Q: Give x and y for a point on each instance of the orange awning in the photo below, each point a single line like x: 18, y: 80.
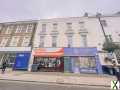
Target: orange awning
x: 49, y: 52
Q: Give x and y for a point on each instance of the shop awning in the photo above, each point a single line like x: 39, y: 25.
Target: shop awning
x: 49, y: 52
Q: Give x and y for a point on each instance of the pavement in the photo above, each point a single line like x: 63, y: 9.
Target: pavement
x: 58, y: 78
x: 16, y: 85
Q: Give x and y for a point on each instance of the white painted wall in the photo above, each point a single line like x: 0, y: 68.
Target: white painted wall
x: 95, y: 35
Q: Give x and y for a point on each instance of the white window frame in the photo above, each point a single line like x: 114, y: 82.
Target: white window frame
x: 55, y: 26
x: 9, y: 29
x: 83, y: 38
x: 4, y: 41
x: 44, y: 26
x: 81, y: 24
x: 70, y: 41
x: 54, y: 41
x: 69, y: 25
x: 42, y: 38
x: 20, y: 28
x: 26, y: 41
x: 14, y: 41
x: 29, y: 28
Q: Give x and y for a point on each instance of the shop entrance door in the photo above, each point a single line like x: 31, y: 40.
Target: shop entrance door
x: 49, y: 64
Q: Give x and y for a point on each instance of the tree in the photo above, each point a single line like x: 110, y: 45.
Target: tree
x: 110, y: 46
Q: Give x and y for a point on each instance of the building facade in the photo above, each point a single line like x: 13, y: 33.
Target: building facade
x: 16, y: 43
x: 56, y: 38
x: 59, y: 44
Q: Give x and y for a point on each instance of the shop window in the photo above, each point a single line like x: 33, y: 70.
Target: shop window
x: 11, y: 59
x: 85, y: 62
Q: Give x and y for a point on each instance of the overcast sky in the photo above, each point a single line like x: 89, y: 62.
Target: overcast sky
x: 11, y: 10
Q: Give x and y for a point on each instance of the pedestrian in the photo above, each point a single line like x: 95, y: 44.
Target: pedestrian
x: 4, y: 65
x: 117, y: 72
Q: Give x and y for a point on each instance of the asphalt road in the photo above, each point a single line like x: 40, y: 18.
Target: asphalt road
x: 15, y: 85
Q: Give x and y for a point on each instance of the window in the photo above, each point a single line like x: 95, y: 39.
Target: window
x: 0, y: 27
x: 11, y: 59
x: 55, y: 26
x: 69, y: 25
x: 84, y: 40
x: 85, y: 62
x: 9, y: 29
x: 41, y: 41
x: 20, y: 28
x: 69, y: 41
x: 43, y: 27
x: 29, y: 28
x: 54, y: 41
x: 81, y: 24
x: 14, y: 41
x: 3, y: 42
x: 104, y: 23
x: 26, y: 41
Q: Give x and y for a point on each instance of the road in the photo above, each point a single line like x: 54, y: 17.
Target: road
x: 16, y: 85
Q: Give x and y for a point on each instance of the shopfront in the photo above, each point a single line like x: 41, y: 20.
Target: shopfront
x: 8, y: 57
x: 82, y: 60
x: 15, y: 57
x: 49, y: 59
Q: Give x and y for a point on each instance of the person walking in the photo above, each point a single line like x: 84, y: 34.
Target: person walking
x: 4, y: 65
x: 117, y: 72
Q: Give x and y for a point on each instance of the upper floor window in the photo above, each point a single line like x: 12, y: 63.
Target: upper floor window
x: 69, y: 41
x: 55, y: 26
x: 20, y: 28
x: 26, y: 41
x: 3, y: 42
x: 104, y: 23
x: 0, y: 27
x: 9, y: 29
x: 43, y: 27
x: 29, y: 28
x: 14, y: 41
x: 69, y: 25
x: 54, y: 41
x: 81, y: 24
x: 84, y: 40
x: 41, y: 41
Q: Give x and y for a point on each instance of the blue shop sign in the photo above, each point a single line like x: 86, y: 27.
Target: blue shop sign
x: 80, y: 51
x: 22, y: 61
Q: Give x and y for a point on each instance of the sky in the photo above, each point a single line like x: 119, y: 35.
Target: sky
x: 13, y: 10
